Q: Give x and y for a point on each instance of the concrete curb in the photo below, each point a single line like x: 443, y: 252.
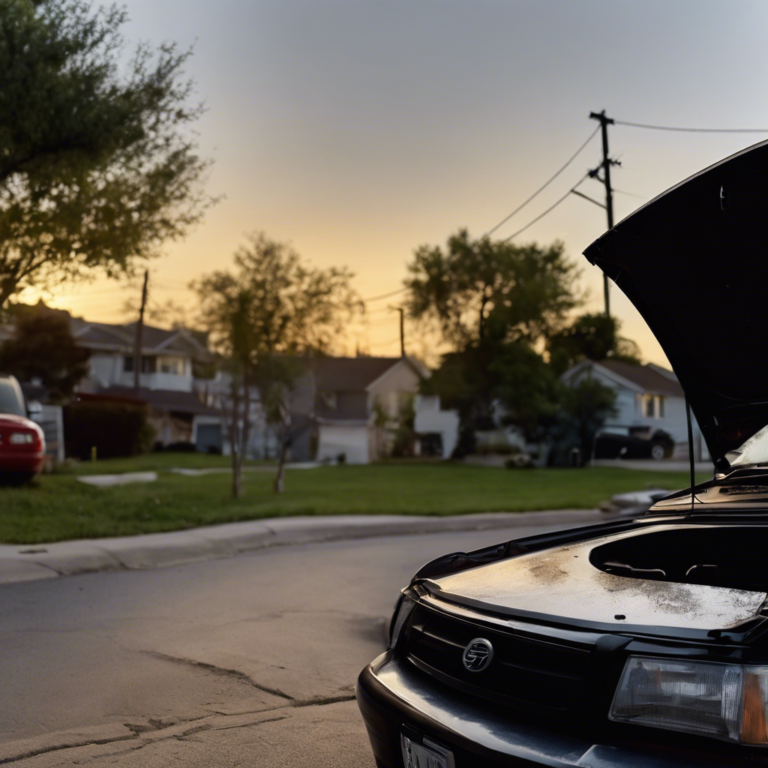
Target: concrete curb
x: 160, y: 550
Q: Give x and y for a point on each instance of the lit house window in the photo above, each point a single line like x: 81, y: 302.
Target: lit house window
x: 173, y: 365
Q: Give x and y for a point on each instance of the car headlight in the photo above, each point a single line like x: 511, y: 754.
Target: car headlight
x: 402, y: 611
x: 726, y: 701
x: 22, y: 438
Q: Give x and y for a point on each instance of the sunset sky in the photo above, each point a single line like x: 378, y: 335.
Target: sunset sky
x: 359, y: 129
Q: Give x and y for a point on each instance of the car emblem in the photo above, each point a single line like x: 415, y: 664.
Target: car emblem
x: 477, y: 655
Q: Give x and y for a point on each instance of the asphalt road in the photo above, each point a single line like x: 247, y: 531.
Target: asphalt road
x: 247, y: 661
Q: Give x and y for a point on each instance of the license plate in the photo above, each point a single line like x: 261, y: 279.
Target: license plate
x: 425, y: 755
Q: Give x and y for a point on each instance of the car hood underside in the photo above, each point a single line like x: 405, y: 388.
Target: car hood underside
x: 569, y: 583
x: 692, y: 262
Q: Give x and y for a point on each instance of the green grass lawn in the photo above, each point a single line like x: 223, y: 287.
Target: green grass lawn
x: 60, y: 507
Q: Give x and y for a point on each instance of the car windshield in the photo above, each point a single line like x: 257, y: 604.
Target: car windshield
x: 751, y: 453
x: 10, y: 400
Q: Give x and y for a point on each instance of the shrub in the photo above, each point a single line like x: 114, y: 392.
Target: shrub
x: 114, y: 428
x: 519, y: 461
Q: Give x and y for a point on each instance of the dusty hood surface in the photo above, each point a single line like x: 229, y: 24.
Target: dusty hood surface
x: 562, y: 582
x: 693, y: 262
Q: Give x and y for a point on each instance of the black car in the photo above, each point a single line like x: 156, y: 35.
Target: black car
x: 634, y: 444
x: 641, y: 642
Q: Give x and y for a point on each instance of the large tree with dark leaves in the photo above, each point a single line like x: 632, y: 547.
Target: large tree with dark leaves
x: 590, y: 337
x: 43, y: 348
x: 98, y: 166
x: 495, y: 304
x: 476, y: 291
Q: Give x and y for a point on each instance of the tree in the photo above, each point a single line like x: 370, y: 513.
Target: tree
x: 483, y: 290
x: 591, y: 337
x: 512, y: 374
x: 495, y: 304
x: 263, y: 316
x: 586, y: 405
x: 42, y: 347
x: 97, y: 164
x: 528, y: 389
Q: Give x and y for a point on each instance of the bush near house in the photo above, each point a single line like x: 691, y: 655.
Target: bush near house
x: 114, y: 428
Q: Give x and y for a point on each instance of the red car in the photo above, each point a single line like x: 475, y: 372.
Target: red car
x: 22, y: 443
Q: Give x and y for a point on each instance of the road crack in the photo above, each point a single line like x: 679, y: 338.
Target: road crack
x: 71, y: 745
x: 153, y: 731
x: 250, y: 725
x: 232, y: 674
x: 324, y: 701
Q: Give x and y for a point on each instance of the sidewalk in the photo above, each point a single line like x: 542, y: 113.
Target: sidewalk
x: 667, y: 465
x: 159, y: 550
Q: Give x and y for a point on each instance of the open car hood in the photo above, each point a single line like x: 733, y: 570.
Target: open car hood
x: 563, y: 582
x: 694, y: 261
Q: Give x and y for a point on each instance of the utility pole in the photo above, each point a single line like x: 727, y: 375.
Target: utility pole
x: 402, y: 328
x: 137, y: 342
x: 606, y: 166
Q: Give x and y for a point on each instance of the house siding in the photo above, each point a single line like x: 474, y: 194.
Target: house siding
x: 399, y: 380
x: 351, y: 441
x: 629, y: 410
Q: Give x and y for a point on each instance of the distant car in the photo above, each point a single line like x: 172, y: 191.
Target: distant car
x: 22, y: 443
x: 610, y: 445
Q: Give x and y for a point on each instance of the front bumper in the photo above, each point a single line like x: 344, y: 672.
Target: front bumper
x: 393, y: 697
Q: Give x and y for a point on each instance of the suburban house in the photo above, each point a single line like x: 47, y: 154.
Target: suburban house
x: 169, y: 361
x: 647, y: 396
x: 357, y: 403
x: 438, y: 429
x: 341, y: 408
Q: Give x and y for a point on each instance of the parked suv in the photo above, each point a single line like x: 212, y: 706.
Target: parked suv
x: 634, y: 444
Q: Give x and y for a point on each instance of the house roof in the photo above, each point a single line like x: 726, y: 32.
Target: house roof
x: 350, y: 374
x: 165, y: 400
x: 646, y: 377
x: 153, y: 340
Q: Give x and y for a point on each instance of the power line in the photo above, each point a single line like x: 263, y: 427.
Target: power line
x: 377, y: 310
x: 690, y: 130
x: 545, y: 185
x: 542, y: 215
x: 385, y: 295
x: 385, y: 343
x: 165, y: 287
x: 379, y: 322
x: 631, y: 194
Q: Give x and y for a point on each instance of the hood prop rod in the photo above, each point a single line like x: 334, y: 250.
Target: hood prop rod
x: 690, y: 449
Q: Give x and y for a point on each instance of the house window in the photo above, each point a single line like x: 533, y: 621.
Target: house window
x: 653, y: 406
x: 174, y: 365
x: 148, y: 364
x: 329, y: 400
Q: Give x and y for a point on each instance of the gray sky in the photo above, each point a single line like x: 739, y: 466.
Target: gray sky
x: 359, y: 129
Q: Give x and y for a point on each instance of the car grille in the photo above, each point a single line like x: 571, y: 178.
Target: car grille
x: 527, y: 670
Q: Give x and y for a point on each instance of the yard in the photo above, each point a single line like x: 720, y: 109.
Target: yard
x: 60, y: 507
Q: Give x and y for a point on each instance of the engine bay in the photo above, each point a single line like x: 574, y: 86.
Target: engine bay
x: 735, y: 557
